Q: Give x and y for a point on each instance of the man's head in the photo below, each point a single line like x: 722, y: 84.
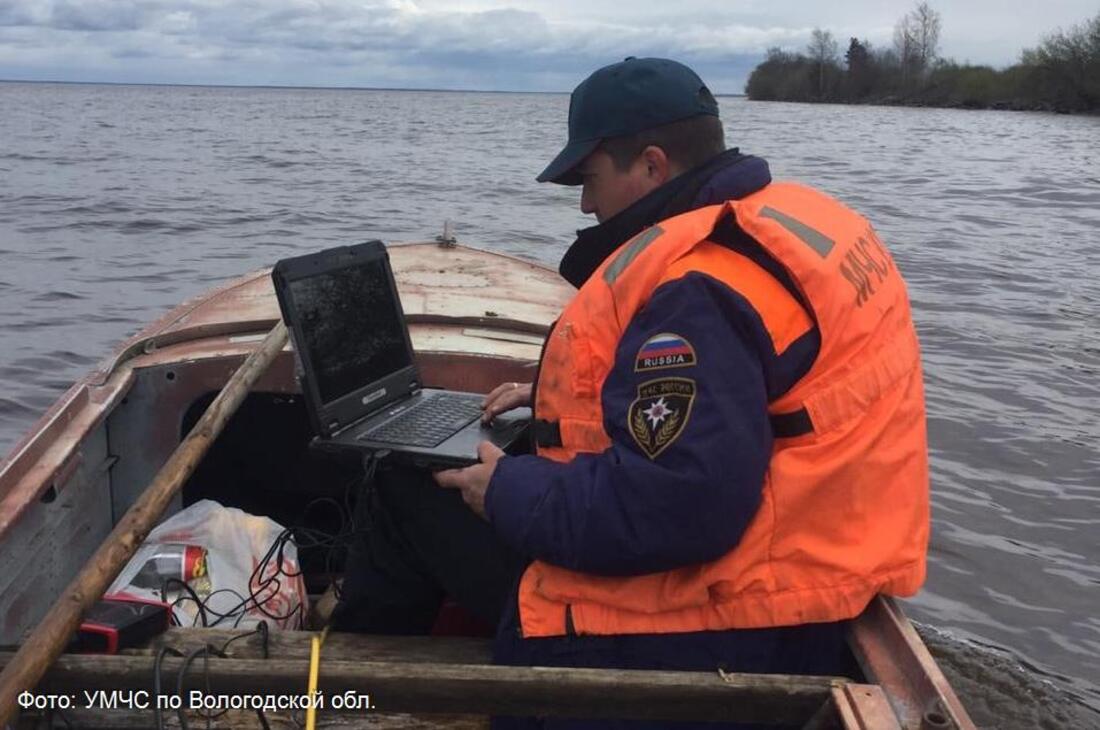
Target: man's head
x: 632, y: 127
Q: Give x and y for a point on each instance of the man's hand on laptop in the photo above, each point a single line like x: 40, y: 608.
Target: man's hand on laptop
x: 473, y: 481
x: 505, y: 397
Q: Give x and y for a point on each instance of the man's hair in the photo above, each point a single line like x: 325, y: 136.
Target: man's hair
x: 687, y: 143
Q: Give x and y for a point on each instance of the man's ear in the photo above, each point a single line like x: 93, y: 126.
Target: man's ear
x: 657, y: 165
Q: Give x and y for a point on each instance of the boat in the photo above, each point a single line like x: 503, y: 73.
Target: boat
x: 476, y: 319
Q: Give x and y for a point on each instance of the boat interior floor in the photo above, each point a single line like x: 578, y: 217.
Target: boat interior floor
x: 263, y: 464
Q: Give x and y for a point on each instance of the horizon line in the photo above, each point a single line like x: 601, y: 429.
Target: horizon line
x: 292, y: 87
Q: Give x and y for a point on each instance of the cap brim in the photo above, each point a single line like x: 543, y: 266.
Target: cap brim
x: 561, y: 169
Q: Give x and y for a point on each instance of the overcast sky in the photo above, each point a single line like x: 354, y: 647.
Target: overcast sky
x: 542, y: 45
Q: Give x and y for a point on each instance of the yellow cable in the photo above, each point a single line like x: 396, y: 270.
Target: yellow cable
x: 314, y: 670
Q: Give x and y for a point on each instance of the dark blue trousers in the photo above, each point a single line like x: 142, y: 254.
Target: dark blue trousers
x: 423, y: 544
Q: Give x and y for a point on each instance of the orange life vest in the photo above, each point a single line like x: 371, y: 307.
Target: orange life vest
x: 844, y: 510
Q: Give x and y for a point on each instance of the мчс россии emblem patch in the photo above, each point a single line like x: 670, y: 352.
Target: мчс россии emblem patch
x: 658, y: 415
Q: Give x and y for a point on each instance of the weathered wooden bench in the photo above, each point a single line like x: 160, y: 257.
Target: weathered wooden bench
x: 443, y: 682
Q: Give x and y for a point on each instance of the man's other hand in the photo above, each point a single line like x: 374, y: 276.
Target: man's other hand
x: 473, y: 481
x: 505, y: 397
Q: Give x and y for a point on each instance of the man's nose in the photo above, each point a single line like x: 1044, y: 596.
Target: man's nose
x: 587, y: 206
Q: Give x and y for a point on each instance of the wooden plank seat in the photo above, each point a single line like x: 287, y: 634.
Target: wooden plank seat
x: 444, y: 682
x: 338, y: 647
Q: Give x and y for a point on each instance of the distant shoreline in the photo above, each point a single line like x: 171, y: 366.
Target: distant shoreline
x: 1061, y: 75
x: 292, y: 87
x: 287, y: 87
x: 1002, y: 106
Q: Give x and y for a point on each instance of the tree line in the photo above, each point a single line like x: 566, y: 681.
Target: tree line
x: 1061, y: 74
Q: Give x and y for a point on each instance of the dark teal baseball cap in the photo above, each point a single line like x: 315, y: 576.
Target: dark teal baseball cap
x: 627, y: 98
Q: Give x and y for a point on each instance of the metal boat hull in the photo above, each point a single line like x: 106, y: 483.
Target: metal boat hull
x: 477, y: 319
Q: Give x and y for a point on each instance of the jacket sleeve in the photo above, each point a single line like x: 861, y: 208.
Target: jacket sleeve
x: 691, y: 445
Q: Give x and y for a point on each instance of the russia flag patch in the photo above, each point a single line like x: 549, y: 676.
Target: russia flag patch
x: 665, y: 350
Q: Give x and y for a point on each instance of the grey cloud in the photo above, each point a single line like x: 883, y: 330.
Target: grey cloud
x: 15, y: 13
x: 96, y: 16
x: 131, y: 52
x: 80, y: 15
x: 357, y: 26
x: 350, y: 42
x: 380, y: 27
x: 421, y: 42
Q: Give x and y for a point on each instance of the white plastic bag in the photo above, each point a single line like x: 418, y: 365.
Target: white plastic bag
x: 250, y: 574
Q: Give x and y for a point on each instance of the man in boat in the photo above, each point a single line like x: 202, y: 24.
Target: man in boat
x: 730, y: 435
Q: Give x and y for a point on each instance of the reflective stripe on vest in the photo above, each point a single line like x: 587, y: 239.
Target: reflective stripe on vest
x: 844, y: 507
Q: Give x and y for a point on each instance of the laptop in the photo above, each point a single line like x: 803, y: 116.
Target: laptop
x: 360, y: 382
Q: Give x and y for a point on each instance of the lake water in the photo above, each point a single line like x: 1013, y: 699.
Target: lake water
x: 117, y: 202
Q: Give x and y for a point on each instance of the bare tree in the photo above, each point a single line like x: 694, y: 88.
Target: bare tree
x: 926, y: 23
x: 905, y: 42
x: 823, y: 46
x: 823, y: 51
x: 917, y: 40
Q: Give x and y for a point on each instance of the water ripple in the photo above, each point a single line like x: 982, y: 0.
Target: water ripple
x: 119, y: 202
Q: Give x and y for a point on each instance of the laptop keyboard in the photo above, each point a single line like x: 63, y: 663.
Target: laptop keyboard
x: 428, y: 423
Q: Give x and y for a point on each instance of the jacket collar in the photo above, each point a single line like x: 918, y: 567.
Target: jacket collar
x: 727, y: 176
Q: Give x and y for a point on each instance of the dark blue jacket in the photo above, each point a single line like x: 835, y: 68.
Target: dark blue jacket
x: 622, y: 513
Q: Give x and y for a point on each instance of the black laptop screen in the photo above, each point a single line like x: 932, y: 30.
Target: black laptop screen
x: 353, y: 333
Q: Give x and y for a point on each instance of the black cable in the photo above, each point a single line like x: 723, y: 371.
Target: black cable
x: 255, y: 597
x: 237, y: 611
x: 360, y: 517
x: 206, y: 650
x: 340, y: 509
x: 265, y: 638
x: 184, y: 585
x: 206, y: 677
x: 272, y: 582
x: 264, y: 589
x: 332, y: 542
x: 230, y: 613
x: 156, y: 682
x: 181, y: 675
x: 261, y: 629
x: 175, y: 621
x: 240, y: 617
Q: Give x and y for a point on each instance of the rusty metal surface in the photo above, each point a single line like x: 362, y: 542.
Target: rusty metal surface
x: 460, y: 301
x: 58, y: 529
x: 892, y: 655
x: 476, y: 320
x: 436, y: 284
x: 243, y: 720
x: 44, y: 455
x: 864, y: 707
